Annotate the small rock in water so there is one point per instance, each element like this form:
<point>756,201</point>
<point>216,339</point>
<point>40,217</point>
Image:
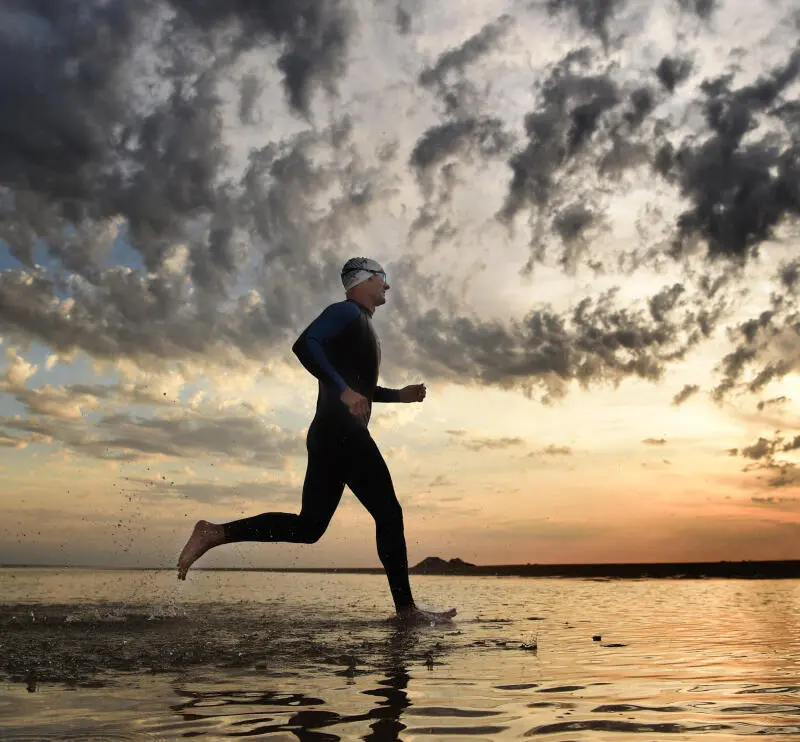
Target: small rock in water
<point>31,681</point>
<point>597,638</point>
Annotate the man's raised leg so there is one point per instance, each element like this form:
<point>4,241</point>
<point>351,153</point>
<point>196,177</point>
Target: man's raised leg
<point>322,491</point>
<point>205,536</point>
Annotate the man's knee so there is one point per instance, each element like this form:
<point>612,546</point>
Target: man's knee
<point>391,516</point>
<point>310,532</point>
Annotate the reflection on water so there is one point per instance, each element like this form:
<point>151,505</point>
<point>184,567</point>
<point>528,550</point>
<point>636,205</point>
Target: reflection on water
<point>123,655</point>
<point>250,713</point>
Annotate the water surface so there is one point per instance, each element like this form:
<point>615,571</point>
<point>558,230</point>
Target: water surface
<point>117,655</point>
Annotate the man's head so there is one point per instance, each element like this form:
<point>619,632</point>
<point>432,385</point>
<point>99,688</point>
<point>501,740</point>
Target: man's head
<point>364,281</point>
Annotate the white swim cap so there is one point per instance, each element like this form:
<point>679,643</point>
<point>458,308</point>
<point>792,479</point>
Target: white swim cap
<point>357,270</point>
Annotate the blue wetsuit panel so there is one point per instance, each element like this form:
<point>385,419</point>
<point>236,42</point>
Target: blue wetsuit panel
<point>328,326</point>
<point>340,349</point>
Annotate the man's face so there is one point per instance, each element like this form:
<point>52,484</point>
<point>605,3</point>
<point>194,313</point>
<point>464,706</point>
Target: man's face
<point>378,288</point>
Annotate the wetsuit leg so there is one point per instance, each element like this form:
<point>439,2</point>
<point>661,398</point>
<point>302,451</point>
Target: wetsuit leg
<point>368,477</point>
<point>322,491</point>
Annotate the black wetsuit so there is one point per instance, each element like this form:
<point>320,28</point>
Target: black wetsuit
<point>341,349</point>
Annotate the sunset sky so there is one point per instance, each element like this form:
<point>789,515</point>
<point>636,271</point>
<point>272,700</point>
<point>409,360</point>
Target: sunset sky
<point>587,210</point>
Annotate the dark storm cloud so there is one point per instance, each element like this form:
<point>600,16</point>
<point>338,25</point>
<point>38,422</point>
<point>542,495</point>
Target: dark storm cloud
<point>702,8</point>
<point>741,177</point>
<point>592,15</point>
<point>765,403</point>
<point>67,402</point>
<point>573,221</point>
<point>741,185</point>
<point>576,226</point>
<point>242,439</point>
<point>789,273</point>
<point>585,126</point>
<point>64,103</point>
<point>766,348</point>
<point>301,199</point>
<point>313,36</point>
<point>788,476</point>
<point>688,390</point>
<point>440,75</point>
<point>598,341</point>
<point>466,133</point>
<point>485,135</point>
<point>112,137</point>
<point>124,312</point>
<point>763,453</point>
<point>111,132</point>
<point>672,71</point>
<point>90,133</point>
<point>767,447</point>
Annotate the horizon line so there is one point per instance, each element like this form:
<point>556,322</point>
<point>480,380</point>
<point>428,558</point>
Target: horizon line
<point>468,565</point>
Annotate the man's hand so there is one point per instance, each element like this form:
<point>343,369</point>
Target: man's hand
<point>357,403</point>
<point>413,393</point>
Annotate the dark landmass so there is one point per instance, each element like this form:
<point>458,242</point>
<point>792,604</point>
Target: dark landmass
<point>745,570</point>
<point>766,570</point>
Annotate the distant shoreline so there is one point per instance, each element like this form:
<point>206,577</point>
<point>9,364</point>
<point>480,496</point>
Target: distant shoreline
<point>785,569</point>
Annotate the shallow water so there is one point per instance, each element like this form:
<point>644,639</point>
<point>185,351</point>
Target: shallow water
<point>118,655</point>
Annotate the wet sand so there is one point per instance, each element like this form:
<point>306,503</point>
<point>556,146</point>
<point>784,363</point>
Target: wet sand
<point>315,660</point>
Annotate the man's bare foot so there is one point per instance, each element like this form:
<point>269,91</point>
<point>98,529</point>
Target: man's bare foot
<point>416,616</point>
<point>204,537</point>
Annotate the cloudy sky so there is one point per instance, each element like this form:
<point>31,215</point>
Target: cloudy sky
<point>588,211</point>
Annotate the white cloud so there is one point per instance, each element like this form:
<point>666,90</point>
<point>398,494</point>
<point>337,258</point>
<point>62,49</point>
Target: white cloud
<point>18,370</point>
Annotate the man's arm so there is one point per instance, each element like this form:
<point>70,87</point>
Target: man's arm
<point>382,394</point>
<point>309,347</point>
<point>410,393</point>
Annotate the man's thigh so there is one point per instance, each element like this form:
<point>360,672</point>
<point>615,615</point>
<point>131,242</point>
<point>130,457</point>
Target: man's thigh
<point>367,475</point>
<point>324,481</point>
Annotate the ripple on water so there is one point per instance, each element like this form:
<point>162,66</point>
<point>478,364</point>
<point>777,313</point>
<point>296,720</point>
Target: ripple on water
<point>456,732</point>
<point>449,711</point>
<point>517,686</point>
<point>609,725</point>
<point>562,689</point>
<point>770,690</point>
<point>619,708</point>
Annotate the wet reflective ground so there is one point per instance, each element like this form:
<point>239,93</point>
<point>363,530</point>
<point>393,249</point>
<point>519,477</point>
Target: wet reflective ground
<point>88,655</point>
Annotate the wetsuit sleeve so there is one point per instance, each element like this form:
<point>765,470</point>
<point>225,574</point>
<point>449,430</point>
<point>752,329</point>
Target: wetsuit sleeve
<point>310,346</point>
<point>382,394</point>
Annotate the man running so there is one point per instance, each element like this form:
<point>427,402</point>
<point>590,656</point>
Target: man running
<point>341,349</point>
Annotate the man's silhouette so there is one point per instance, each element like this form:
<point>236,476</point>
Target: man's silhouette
<point>341,350</point>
